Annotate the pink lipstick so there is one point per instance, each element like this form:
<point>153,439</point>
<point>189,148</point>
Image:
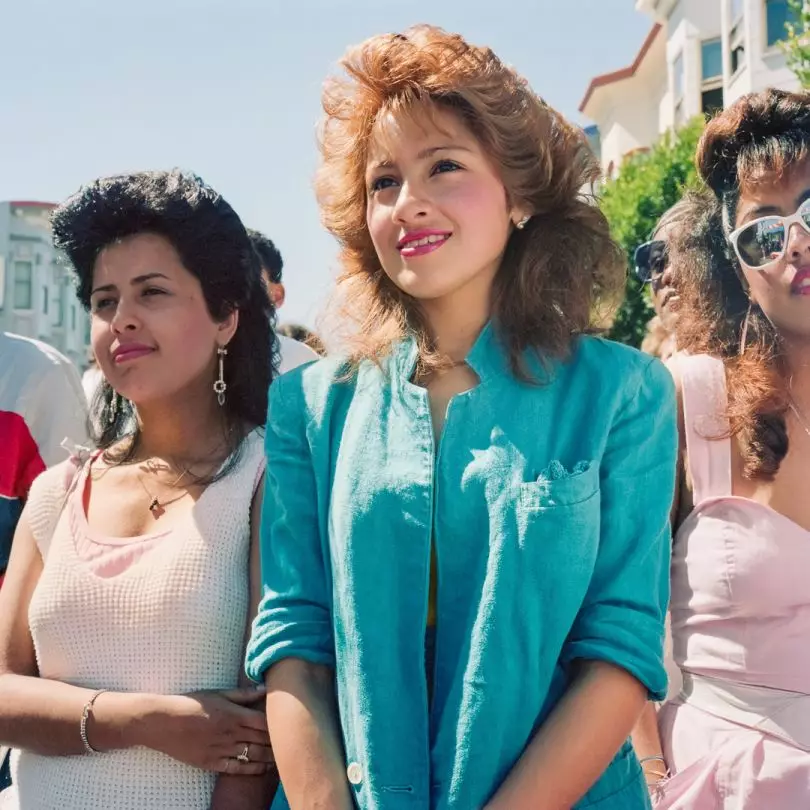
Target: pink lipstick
<point>422,242</point>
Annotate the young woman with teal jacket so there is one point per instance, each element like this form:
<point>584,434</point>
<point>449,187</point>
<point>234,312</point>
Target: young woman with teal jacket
<point>465,538</point>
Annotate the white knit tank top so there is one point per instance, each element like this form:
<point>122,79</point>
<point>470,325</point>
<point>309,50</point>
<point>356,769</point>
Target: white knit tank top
<point>172,622</point>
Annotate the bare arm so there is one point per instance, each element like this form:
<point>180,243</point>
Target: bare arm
<point>303,720</point>
<point>576,743</point>
<point>249,791</point>
<point>646,738</point>
<point>44,716</point>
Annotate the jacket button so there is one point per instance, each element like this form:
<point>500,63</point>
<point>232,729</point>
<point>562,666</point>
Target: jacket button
<point>355,773</point>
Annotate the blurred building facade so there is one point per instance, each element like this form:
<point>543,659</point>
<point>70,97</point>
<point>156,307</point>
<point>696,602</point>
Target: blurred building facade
<point>37,297</point>
<point>699,56</point>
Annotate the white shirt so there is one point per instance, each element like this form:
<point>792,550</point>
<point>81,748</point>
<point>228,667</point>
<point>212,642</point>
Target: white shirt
<point>42,387</point>
<point>91,380</point>
<point>293,354</point>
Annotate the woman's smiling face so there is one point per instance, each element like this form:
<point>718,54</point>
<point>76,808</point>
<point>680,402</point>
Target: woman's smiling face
<point>437,210</point>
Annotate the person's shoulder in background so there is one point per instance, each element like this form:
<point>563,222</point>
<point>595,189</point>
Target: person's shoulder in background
<point>43,387</point>
<point>293,353</point>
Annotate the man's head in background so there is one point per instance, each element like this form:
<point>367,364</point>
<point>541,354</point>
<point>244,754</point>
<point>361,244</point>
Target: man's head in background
<point>272,265</point>
<point>303,335</point>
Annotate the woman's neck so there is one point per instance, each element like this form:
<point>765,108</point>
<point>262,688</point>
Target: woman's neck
<point>183,430</point>
<point>798,357</point>
<point>455,326</point>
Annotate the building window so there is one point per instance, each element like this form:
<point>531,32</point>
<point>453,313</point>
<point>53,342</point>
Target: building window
<point>711,101</point>
<point>44,300</point>
<point>711,89</point>
<point>737,16</point>
<point>736,40</point>
<point>712,59</point>
<point>23,285</point>
<point>73,318</point>
<point>737,58</point>
<point>778,14</point>
<point>59,302</point>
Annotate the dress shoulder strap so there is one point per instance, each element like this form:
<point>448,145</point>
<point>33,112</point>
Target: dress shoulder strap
<point>708,446</point>
<point>46,501</point>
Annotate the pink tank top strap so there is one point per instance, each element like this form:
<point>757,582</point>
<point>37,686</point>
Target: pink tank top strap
<point>703,380</point>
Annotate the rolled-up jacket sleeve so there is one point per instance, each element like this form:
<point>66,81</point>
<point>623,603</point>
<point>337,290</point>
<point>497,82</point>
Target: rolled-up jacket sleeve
<point>622,618</point>
<point>294,618</point>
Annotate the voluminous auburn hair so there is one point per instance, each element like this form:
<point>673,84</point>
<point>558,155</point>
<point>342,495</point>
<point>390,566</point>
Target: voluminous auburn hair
<point>555,271</point>
<point>759,139</point>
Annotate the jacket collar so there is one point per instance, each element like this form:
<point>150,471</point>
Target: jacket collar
<point>488,358</point>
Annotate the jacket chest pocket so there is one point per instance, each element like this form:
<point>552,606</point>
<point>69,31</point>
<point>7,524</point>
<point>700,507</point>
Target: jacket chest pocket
<point>557,487</point>
<point>558,519</point>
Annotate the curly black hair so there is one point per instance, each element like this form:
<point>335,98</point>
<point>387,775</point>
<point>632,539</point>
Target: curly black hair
<point>213,245</point>
<point>269,255</point>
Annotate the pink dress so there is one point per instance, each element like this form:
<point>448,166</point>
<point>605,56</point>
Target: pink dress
<point>738,735</point>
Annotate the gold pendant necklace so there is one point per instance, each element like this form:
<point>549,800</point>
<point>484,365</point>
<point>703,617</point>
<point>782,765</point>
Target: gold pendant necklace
<point>158,507</point>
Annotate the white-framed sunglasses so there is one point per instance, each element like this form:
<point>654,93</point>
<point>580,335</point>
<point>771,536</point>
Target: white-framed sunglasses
<point>764,241</point>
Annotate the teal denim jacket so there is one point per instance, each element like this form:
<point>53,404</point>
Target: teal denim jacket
<point>549,509</point>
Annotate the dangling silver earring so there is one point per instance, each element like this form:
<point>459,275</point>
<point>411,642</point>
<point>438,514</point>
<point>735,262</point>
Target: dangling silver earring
<point>113,408</point>
<point>521,224</point>
<point>744,333</point>
<point>219,386</point>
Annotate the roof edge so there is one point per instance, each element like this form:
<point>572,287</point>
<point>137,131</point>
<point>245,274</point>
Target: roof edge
<point>625,73</point>
<point>31,204</point>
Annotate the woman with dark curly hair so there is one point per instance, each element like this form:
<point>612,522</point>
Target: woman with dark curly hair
<point>738,735</point>
<point>654,266</point>
<point>466,527</point>
<point>134,573</point>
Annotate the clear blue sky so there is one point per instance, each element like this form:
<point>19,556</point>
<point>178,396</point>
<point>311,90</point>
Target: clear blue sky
<point>230,89</point>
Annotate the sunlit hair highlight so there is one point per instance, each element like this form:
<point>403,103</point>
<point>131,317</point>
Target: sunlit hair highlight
<point>555,272</point>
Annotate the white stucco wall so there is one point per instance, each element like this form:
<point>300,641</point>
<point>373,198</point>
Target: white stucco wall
<point>628,111</point>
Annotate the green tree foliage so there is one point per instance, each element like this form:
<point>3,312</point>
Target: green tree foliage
<point>648,184</point>
<point>797,43</point>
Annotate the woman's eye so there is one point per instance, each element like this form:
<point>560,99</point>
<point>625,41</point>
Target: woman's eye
<point>445,166</point>
<point>102,303</point>
<point>153,291</point>
<point>382,183</point>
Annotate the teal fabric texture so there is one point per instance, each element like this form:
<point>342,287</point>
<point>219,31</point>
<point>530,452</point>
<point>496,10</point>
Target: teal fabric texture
<point>548,504</point>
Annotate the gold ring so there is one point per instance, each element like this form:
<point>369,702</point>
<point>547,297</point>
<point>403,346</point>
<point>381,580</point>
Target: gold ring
<point>243,757</point>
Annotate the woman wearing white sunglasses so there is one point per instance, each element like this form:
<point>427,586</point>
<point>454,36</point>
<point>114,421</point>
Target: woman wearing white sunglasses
<point>738,734</point>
